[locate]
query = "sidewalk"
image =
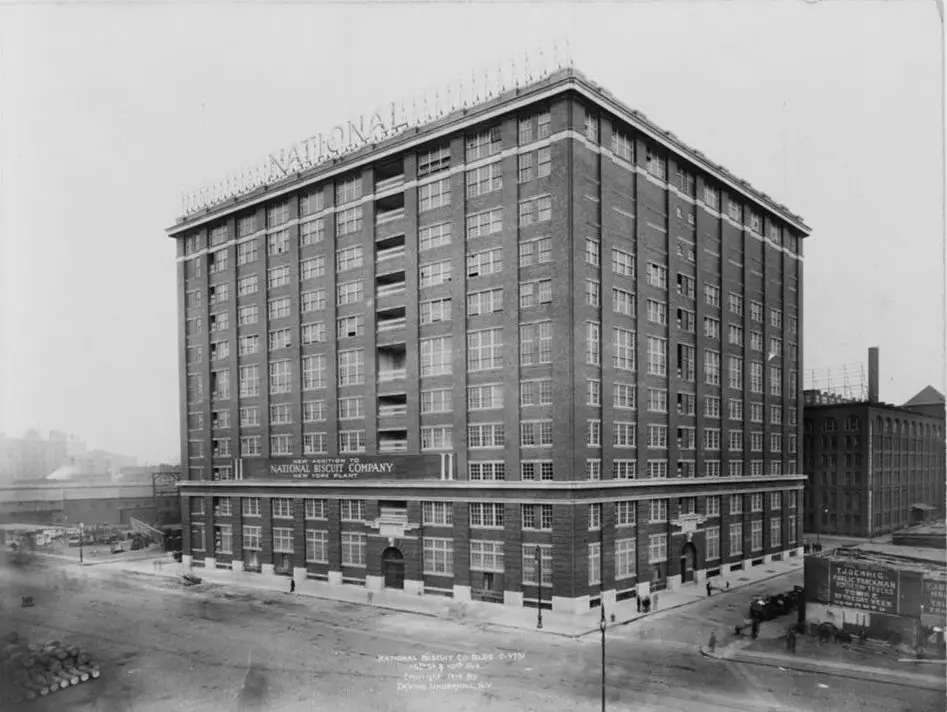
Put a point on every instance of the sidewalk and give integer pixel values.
(476, 612)
(840, 660)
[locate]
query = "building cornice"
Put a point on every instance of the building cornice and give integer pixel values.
(559, 83)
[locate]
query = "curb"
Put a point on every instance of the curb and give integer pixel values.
(858, 673)
(686, 603)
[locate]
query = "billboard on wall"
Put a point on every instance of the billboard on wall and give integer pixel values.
(933, 597)
(354, 467)
(862, 586)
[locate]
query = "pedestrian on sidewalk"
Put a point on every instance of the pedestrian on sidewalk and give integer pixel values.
(638, 602)
(292, 585)
(791, 640)
(712, 643)
(755, 628)
(709, 588)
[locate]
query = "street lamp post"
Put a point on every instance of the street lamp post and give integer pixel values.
(602, 624)
(81, 537)
(539, 588)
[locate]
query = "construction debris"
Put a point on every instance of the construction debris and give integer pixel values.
(31, 670)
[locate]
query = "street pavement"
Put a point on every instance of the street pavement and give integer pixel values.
(212, 647)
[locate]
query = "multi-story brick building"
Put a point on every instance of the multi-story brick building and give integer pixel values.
(544, 321)
(873, 467)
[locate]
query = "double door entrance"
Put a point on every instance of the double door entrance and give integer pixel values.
(392, 566)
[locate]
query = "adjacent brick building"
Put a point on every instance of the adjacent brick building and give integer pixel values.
(873, 467)
(557, 325)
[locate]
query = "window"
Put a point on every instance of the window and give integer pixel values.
(348, 190)
(775, 381)
(317, 546)
(623, 302)
(657, 400)
(711, 197)
(685, 181)
(353, 549)
(351, 365)
(712, 328)
(433, 161)
(594, 435)
(486, 556)
(792, 528)
(534, 252)
(735, 441)
(656, 164)
(433, 274)
(484, 350)
(352, 510)
(686, 320)
(437, 437)
(436, 401)
(625, 434)
(736, 538)
(437, 513)
(593, 468)
(712, 295)
(438, 556)
(623, 147)
(657, 276)
(279, 339)
(657, 469)
(625, 395)
(282, 540)
(484, 144)
(529, 564)
(593, 343)
(485, 397)
(756, 378)
(535, 210)
(686, 286)
(593, 293)
(483, 180)
(625, 469)
(756, 441)
(281, 445)
(351, 441)
(348, 221)
(280, 414)
(686, 438)
(350, 326)
(434, 311)
(711, 438)
(484, 263)
(250, 445)
(434, 236)
(277, 243)
(756, 312)
(593, 252)
(248, 252)
(756, 536)
(315, 443)
(657, 312)
(591, 128)
(351, 408)
(348, 293)
(536, 470)
(595, 563)
(348, 258)
(485, 435)
(712, 407)
(657, 436)
(315, 508)
(712, 539)
(484, 223)
(712, 367)
(280, 375)
(312, 232)
(623, 263)
(536, 392)
(735, 335)
(535, 343)
(486, 470)
(486, 514)
(736, 504)
(735, 468)
(593, 392)
(314, 372)
(535, 164)
(252, 538)
(313, 301)
(484, 302)
(247, 285)
(775, 533)
(434, 195)
(756, 502)
(657, 548)
(775, 500)
(536, 516)
(314, 333)
(736, 373)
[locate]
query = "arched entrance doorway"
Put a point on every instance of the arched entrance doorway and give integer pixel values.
(392, 566)
(688, 562)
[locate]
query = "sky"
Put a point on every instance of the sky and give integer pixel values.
(109, 111)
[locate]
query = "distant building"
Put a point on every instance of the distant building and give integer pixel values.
(873, 467)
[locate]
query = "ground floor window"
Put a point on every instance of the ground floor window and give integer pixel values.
(252, 537)
(283, 540)
(792, 528)
(197, 537)
(657, 548)
(439, 556)
(317, 544)
(736, 538)
(529, 563)
(252, 561)
(223, 539)
(353, 549)
(756, 536)
(625, 554)
(595, 563)
(712, 537)
(486, 556)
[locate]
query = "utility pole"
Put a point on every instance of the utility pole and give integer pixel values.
(539, 588)
(81, 539)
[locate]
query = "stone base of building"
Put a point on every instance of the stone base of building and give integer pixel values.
(461, 593)
(335, 578)
(571, 606)
(513, 598)
(187, 561)
(300, 574)
(413, 588)
(210, 563)
(374, 583)
(267, 570)
(236, 566)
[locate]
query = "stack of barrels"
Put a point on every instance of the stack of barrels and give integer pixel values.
(31, 670)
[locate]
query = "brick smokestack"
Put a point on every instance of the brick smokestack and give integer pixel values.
(873, 374)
